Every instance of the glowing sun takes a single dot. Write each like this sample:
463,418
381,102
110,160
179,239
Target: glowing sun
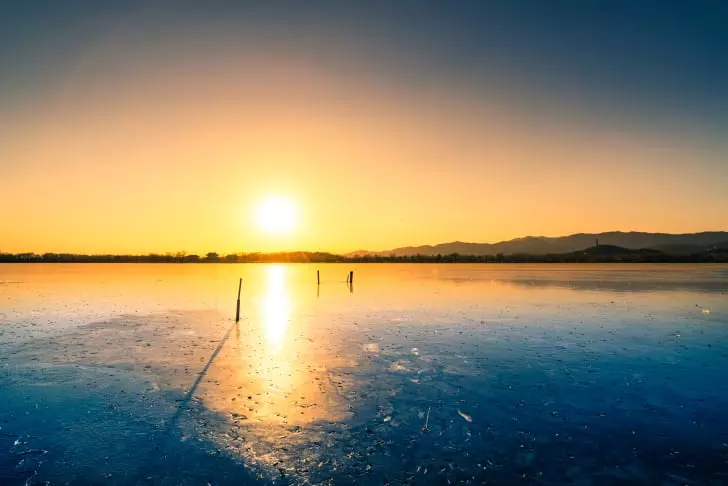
277,215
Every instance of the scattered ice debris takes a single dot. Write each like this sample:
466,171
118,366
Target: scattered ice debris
465,416
371,347
398,366
387,418
414,352
31,451
427,421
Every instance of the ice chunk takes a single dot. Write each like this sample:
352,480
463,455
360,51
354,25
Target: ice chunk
465,416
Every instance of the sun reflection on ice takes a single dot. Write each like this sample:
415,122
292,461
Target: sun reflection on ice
276,307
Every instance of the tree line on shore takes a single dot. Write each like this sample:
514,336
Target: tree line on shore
591,255
178,257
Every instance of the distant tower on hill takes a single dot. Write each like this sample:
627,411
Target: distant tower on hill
597,245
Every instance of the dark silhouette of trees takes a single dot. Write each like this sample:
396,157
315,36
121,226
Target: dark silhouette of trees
600,254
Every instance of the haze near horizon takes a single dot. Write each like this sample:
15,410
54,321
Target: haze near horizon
136,127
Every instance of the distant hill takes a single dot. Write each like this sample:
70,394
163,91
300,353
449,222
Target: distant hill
611,250
541,245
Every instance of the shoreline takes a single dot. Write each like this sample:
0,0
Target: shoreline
403,260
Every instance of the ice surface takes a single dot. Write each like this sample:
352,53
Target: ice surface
419,374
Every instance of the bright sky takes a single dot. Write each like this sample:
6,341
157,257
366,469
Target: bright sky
135,128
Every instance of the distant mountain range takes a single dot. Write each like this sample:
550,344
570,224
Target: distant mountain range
541,245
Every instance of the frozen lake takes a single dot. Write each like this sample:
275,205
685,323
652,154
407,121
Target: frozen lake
416,374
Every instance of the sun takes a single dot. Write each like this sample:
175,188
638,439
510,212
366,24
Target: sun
277,215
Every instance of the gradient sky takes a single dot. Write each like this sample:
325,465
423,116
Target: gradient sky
135,127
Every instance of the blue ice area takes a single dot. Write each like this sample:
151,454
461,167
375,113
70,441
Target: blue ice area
420,374
555,405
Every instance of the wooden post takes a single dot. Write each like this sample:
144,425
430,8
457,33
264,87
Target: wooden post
237,308
351,277
318,277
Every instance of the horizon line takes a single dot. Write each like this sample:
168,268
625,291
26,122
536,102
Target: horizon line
354,252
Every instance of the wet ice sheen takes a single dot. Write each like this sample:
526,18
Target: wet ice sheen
419,374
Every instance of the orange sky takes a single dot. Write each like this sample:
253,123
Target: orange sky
142,147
